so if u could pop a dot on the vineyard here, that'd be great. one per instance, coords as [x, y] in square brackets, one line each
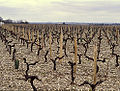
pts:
[59, 57]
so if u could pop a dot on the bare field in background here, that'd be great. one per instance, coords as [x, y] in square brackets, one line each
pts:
[106, 38]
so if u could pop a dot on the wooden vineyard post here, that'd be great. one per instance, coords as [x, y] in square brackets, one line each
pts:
[61, 45]
[23, 32]
[107, 34]
[18, 33]
[92, 29]
[17, 30]
[42, 39]
[117, 35]
[50, 38]
[99, 31]
[75, 58]
[38, 37]
[95, 64]
[33, 36]
[29, 35]
[14, 29]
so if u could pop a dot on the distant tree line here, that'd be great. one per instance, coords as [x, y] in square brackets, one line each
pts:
[9, 21]
[103, 24]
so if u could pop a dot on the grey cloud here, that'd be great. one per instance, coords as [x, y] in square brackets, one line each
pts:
[66, 10]
[93, 6]
[13, 12]
[10, 11]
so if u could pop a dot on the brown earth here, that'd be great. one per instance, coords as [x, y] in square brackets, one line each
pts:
[12, 79]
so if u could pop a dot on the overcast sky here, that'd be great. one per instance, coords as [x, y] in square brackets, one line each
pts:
[61, 10]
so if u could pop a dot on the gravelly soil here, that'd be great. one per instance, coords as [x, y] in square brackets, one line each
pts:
[12, 79]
